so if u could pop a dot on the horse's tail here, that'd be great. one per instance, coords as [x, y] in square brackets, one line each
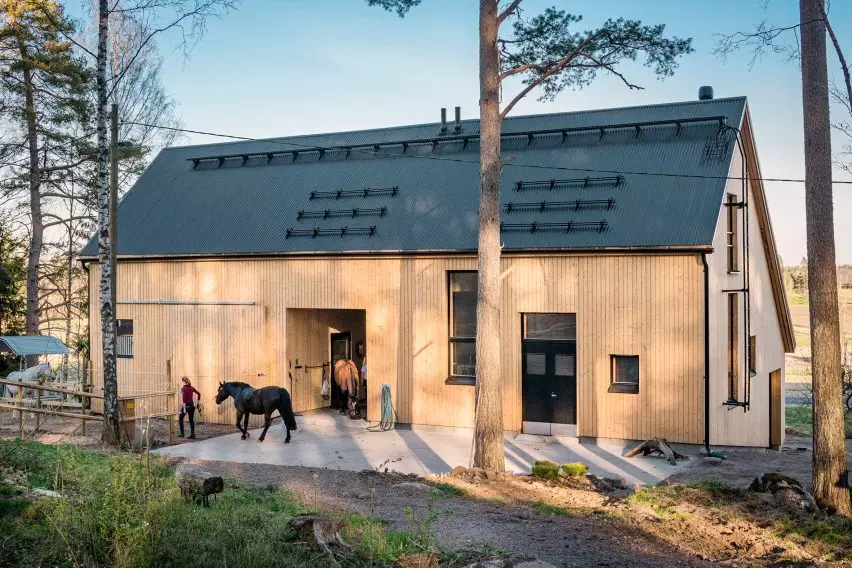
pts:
[287, 410]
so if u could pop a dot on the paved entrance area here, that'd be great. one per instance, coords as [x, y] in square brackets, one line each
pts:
[328, 440]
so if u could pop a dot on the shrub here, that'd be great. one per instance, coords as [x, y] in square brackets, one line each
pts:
[545, 469]
[578, 469]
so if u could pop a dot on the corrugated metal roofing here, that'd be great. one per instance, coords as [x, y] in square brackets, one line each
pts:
[248, 206]
[22, 345]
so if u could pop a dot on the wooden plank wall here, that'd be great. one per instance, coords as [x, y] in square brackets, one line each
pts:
[733, 426]
[625, 304]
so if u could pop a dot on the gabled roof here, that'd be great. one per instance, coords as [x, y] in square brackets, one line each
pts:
[575, 181]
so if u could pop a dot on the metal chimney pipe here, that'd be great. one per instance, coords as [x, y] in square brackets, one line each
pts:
[458, 120]
[443, 120]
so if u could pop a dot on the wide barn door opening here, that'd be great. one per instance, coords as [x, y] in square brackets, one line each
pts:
[316, 338]
[549, 375]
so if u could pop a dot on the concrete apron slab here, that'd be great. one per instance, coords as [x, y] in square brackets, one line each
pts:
[329, 440]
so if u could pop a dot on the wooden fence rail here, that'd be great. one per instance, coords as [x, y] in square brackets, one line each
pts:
[37, 386]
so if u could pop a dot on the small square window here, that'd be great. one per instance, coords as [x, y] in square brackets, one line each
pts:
[124, 339]
[625, 374]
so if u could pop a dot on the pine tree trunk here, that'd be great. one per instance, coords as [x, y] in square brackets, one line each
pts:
[830, 475]
[111, 425]
[488, 432]
[37, 229]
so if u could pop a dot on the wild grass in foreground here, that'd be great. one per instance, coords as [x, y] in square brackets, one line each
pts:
[122, 511]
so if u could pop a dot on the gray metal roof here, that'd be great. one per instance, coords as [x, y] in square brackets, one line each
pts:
[247, 203]
[22, 345]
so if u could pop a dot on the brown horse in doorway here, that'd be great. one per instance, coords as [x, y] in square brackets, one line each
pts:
[346, 375]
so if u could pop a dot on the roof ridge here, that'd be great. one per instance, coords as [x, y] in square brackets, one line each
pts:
[284, 139]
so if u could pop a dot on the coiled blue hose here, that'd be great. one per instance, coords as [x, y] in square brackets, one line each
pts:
[387, 421]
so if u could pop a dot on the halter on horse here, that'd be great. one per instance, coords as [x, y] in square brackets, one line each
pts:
[266, 400]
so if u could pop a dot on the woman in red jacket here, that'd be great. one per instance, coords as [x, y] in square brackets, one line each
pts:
[187, 392]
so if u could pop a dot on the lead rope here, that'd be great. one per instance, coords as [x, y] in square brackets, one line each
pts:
[387, 420]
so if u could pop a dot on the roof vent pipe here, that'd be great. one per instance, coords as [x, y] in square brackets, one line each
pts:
[458, 127]
[705, 93]
[443, 120]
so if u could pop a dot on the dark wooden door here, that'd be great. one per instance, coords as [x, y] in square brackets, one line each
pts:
[776, 407]
[341, 348]
[549, 386]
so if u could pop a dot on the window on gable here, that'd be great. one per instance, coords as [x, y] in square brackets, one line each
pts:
[624, 374]
[752, 355]
[733, 233]
[733, 346]
[462, 288]
[124, 339]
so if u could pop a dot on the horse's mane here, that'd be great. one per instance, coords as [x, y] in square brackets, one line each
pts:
[239, 384]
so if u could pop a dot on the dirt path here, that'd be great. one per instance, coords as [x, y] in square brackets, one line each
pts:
[591, 533]
[744, 464]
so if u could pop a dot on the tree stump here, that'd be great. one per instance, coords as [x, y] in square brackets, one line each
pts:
[198, 485]
[657, 445]
[322, 529]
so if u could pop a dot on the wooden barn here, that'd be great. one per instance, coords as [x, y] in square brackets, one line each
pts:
[642, 291]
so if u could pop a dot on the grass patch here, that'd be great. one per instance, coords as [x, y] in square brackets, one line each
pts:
[800, 420]
[545, 469]
[547, 510]
[797, 300]
[114, 513]
[827, 537]
[449, 489]
[803, 340]
[577, 469]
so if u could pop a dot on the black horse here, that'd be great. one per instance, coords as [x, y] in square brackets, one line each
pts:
[267, 400]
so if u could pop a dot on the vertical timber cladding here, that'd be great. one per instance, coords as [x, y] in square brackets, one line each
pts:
[649, 305]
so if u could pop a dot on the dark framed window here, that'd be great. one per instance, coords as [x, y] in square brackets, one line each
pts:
[752, 355]
[624, 374]
[733, 233]
[733, 346]
[462, 295]
[550, 327]
[124, 339]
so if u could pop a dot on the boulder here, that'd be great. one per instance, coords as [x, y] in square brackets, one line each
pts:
[787, 492]
[45, 494]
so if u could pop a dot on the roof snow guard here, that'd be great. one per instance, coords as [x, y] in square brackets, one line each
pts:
[23, 345]
[643, 170]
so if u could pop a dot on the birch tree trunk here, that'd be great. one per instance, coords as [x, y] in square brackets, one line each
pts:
[488, 429]
[111, 425]
[830, 475]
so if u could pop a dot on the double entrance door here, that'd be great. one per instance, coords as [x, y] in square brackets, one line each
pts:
[549, 379]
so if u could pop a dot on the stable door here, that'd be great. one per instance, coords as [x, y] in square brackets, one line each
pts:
[549, 378]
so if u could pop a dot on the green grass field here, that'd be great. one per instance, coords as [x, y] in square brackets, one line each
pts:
[116, 513]
[800, 421]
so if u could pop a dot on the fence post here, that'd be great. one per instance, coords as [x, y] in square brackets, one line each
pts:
[171, 402]
[21, 406]
[38, 404]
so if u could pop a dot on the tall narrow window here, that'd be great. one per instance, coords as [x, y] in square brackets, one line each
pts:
[752, 355]
[124, 343]
[733, 233]
[733, 346]
[463, 324]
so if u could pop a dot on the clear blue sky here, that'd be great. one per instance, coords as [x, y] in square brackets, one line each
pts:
[282, 67]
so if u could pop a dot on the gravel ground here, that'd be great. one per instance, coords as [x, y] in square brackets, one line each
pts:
[744, 464]
[586, 540]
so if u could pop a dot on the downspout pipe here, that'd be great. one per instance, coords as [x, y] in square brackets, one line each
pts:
[708, 453]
